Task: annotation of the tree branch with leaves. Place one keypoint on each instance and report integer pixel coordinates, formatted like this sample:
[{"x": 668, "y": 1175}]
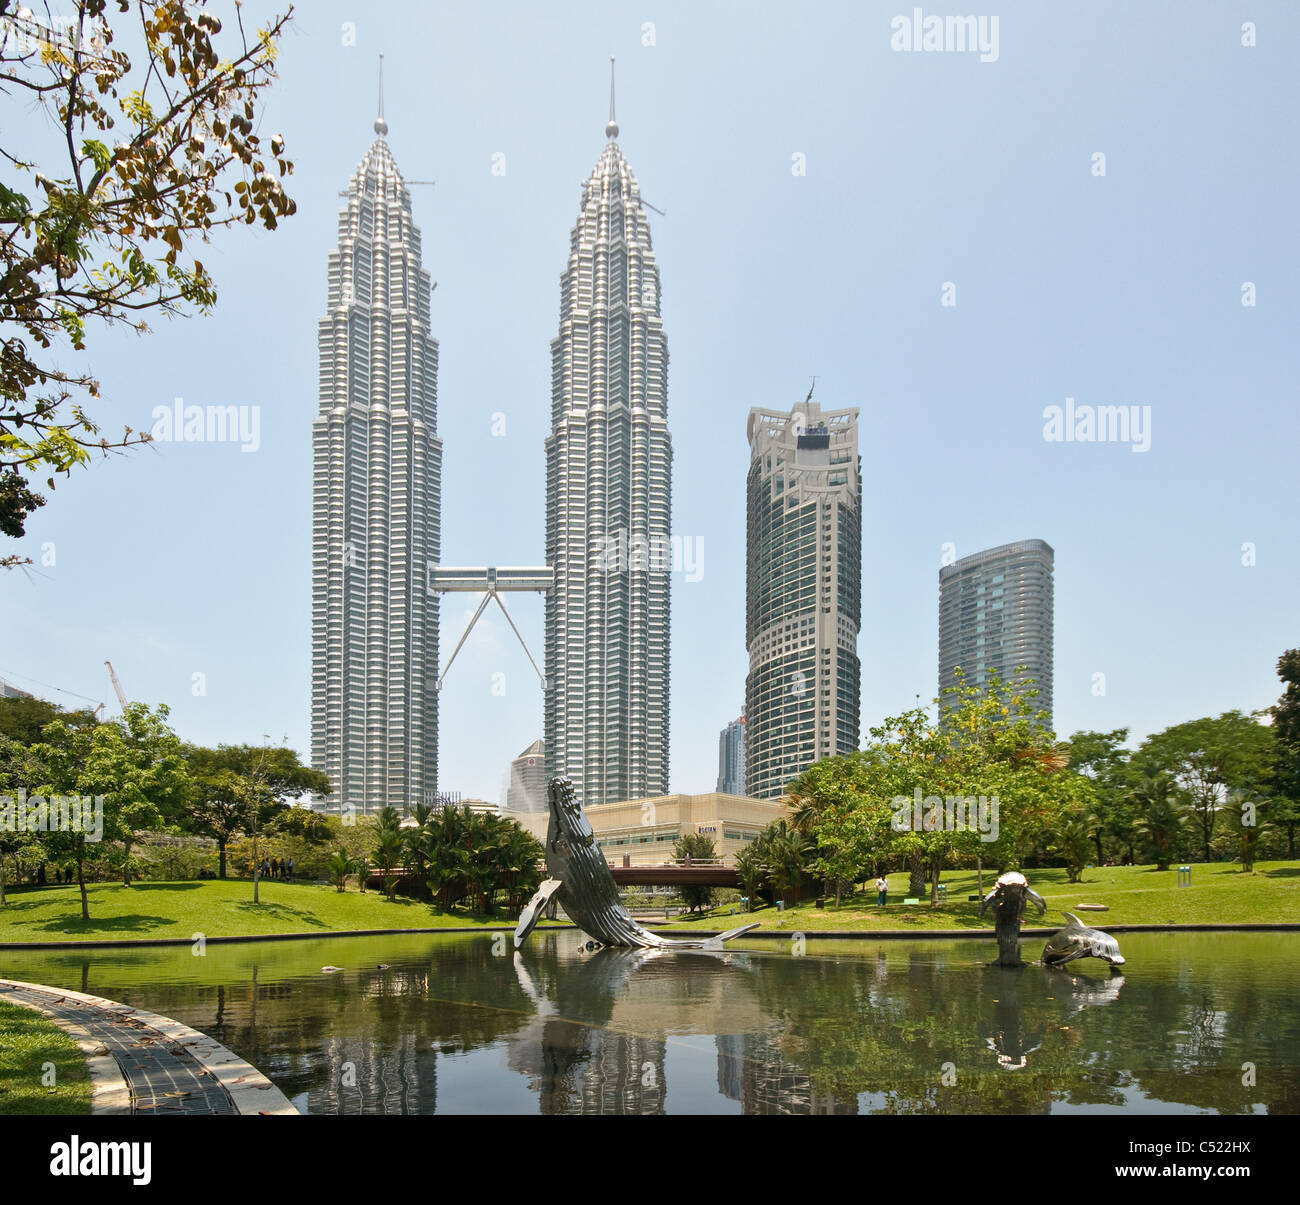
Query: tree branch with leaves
[{"x": 156, "y": 152}]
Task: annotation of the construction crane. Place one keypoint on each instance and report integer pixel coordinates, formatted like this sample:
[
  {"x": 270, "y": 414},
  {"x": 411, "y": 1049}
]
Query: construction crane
[{"x": 117, "y": 685}]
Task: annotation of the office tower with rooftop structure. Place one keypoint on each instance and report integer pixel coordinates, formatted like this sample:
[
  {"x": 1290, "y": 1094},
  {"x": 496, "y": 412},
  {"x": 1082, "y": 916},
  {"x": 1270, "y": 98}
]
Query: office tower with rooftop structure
[
  {"x": 731, "y": 758},
  {"x": 377, "y": 488},
  {"x": 526, "y": 791},
  {"x": 803, "y": 592},
  {"x": 995, "y": 614},
  {"x": 608, "y": 501}
]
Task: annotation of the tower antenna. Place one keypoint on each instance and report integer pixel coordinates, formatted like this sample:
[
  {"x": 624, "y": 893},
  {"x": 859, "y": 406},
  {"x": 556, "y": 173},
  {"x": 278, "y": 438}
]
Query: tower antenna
[
  {"x": 611, "y": 130},
  {"x": 381, "y": 126}
]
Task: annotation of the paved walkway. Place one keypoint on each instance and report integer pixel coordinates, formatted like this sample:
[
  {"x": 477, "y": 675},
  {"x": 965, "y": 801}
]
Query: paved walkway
[{"x": 141, "y": 1062}]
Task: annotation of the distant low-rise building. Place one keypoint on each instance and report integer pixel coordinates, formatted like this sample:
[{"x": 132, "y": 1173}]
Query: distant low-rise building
[{"x": 645, "y": 830}]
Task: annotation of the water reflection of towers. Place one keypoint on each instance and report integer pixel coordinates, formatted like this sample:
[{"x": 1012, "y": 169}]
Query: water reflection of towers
[
  {"x": 753, "y": 1069},
  {"x": 364, "y": 1075}
]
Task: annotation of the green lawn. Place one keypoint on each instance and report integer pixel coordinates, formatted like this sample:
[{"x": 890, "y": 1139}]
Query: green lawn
[
  {"x": 1133, "y": 894},
  {"x": 28, "y": 1042},
  {"x": 215, "y": 909}
]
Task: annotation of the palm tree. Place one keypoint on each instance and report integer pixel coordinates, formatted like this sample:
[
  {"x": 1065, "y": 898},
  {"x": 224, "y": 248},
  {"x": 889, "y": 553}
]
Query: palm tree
[
  {"x": 786, "y": 853},
  {"x": 749, "y": 870},
  {"x": 339, "y": 866},
  {"x": 388, "y": 845},
  {"x": 1163, "y": 814},
  {"x": 417, "y": 845},
  {"x": 1071, "y": 839}
]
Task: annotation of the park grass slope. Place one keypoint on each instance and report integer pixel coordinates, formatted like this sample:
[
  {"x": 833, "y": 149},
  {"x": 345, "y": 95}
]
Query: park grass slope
[
  {"x": 179, "y": 911},
  {"x": 1134, "y": 895}
]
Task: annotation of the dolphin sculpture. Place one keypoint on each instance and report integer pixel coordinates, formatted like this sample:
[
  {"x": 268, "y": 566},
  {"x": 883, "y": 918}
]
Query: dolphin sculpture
[
  {"x": 1076, "y": 940},
  {"x": 1009, "y": 896},
  {"x": 581, "y": 881}
]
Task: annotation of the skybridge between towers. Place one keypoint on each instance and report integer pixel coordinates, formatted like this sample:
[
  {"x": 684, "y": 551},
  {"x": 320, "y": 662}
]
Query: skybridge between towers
[{"x": 492, "y": 582}]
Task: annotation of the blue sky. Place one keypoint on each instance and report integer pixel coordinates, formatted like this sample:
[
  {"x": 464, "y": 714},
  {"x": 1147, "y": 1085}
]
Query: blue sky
[{"x": 921, "y": 168}]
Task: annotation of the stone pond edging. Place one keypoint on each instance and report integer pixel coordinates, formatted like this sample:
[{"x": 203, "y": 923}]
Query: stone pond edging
[{"x": 250, "y": 1092}]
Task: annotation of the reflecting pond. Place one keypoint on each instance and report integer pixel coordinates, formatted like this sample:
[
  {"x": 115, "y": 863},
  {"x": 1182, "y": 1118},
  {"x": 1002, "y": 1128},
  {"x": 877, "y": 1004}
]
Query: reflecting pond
[{"x": 463, "y": 1024}]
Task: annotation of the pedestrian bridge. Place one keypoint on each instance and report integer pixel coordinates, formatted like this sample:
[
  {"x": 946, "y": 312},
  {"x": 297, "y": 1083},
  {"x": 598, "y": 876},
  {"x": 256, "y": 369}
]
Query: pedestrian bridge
[{"x": 676, "y": 875}]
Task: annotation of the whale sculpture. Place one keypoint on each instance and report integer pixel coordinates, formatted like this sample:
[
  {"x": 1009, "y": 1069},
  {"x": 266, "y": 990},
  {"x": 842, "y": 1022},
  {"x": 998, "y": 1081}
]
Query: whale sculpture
[
  {"x": 1076, "y": 940},
  {"x": 1009, "y": 896},
  {"x": 581, "y": 881}
]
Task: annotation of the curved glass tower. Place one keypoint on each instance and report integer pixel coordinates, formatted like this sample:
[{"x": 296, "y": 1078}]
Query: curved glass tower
[
  {"x": 376, "y": 504},
  {"x": 995, "y": 615},
  {"x": 608, "y": 505},
  {"x": 803, "y": 592}
]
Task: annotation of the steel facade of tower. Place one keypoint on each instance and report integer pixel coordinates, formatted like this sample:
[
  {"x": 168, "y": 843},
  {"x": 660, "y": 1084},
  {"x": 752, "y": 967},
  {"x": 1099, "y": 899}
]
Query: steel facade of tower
[
  {"x": 377, "y": 490},
  {"x": 995, "y": 614},
  {"x": 803, "y": 592},
  {"x": 608, "y": 502}
]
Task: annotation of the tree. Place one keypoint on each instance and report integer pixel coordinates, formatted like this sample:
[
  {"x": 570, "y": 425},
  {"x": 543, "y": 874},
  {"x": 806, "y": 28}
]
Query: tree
[
  {"x": 1247, "y": 813},
  {"x": 19, "y": 770},
  {"x": 134, "y": 764},
  {"x": 749, "y": 870},
  {"x": 137, "y": 764},
  {"x": 1101, "y": 756},
  {"x": 696, "y": 847},
  {"x": 24, "y": 719},
  {"x": 243, "y": 788},
  {"x": 340, "y": 866},
  {"x": 786, "y": 855},
  {"x": 1210, "y": 756},
  {"x": 1162, "y": 812},
  {"x": 150, "y": 148},
  {"x": 1071, "y": 840},
  {"x": 1285, "y": 806},
  {"x": 388, "y": 845},
  {"x": 848, "y": 839},
  {"x": 417, "y": 841}
]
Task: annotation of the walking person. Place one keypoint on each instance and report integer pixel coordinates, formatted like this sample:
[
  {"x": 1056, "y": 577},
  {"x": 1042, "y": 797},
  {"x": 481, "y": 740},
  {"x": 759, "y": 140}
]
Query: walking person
[{"x": 882, "y": 891}]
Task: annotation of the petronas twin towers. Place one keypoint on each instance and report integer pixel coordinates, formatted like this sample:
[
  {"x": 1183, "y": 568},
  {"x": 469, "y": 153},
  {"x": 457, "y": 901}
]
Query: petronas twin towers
[{"x": 377, "y": 503}]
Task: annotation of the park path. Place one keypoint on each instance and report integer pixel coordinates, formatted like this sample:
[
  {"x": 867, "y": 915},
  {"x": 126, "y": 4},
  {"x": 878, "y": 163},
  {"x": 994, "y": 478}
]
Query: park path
[{"x": 141, "y": 1062}]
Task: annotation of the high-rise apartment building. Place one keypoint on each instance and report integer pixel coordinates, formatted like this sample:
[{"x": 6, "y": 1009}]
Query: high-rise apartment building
[
  {"x": 995, "y": 614},
  {"x": 803, "y": 592},
  {"x": 608, "y": 501},
  {"x": 731, "y": 758},
  {"x": 377, "y": 488}
]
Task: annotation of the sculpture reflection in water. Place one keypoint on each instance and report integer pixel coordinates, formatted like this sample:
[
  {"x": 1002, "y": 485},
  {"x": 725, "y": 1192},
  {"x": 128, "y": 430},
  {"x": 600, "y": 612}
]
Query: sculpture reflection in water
[
  {"x": 1017, "y": 1029},
  {"x": 581, "y": 881}
]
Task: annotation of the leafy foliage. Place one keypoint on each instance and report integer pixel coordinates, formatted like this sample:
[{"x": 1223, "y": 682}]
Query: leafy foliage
[{"x": 159, "y": 149}]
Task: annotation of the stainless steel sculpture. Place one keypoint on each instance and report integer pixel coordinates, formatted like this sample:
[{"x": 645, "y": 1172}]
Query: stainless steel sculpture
[
  {"x": 581, "y": 881},
  {"x": 1076, "y": 940},
  {"x": 1009, "y": 896}
]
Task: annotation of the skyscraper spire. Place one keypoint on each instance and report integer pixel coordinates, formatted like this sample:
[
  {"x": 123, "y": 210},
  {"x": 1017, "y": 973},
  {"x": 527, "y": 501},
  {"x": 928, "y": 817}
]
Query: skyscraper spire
[
  {"x": 381, "y": 126},
  {"x": 609, "y": 502},
  {"x": 611, "y": 130},
  {"x": 376, "y": 505}
]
